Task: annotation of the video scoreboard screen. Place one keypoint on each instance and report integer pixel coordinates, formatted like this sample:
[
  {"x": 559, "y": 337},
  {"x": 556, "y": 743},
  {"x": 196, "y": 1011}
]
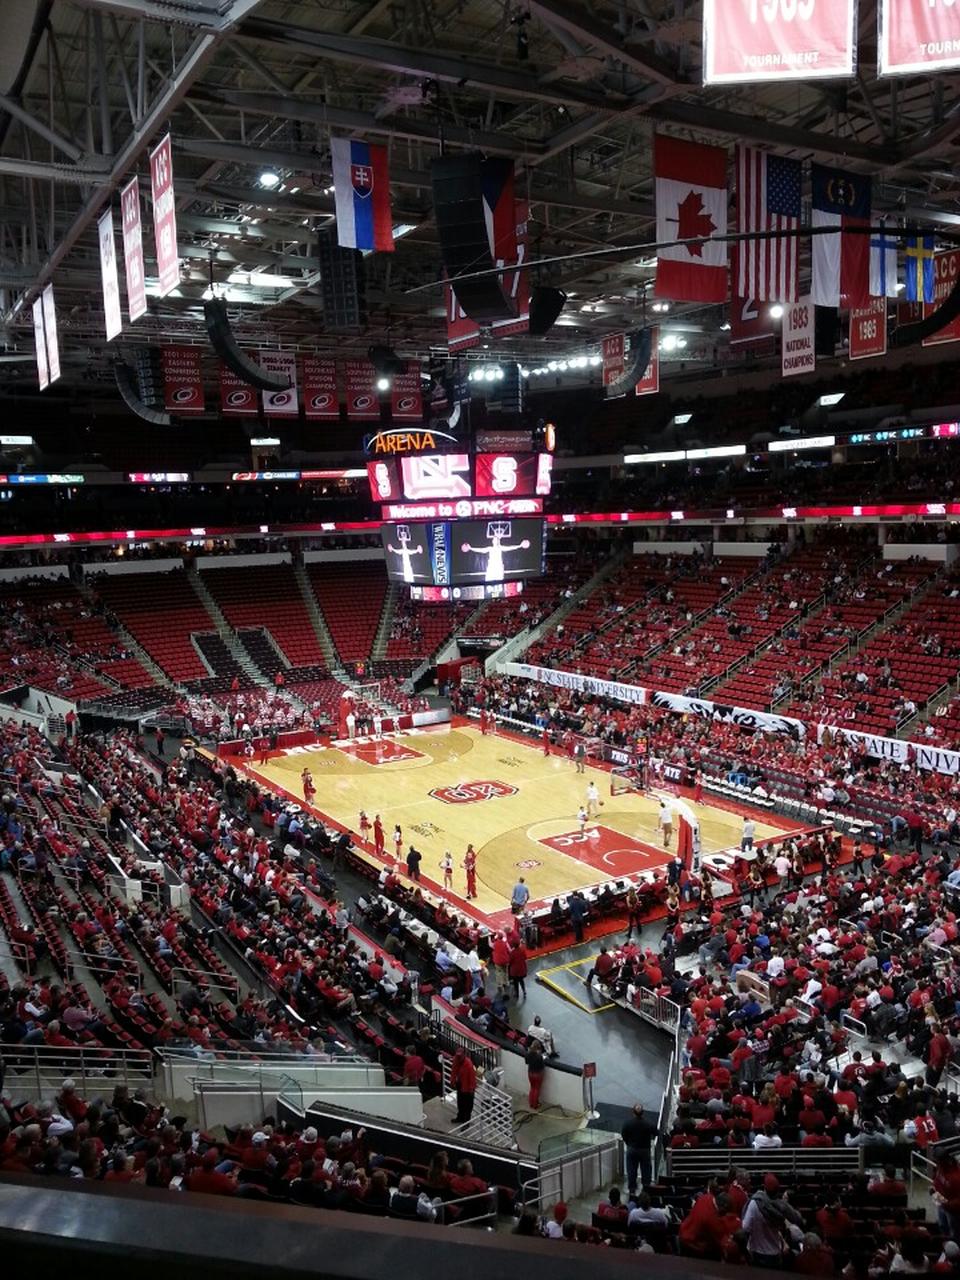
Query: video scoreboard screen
[
  {"x": 454, "y": 477},
  {"x": 464, "y": 552}
]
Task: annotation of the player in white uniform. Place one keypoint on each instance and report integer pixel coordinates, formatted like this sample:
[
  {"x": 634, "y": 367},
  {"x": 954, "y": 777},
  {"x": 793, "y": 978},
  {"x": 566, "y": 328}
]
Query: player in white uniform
[
  {"x": 593, "y": 800},
  {"x": 582, "y": 819},
  {"x": 377, "y": 725},
  {"x": 497, "y": 530}
]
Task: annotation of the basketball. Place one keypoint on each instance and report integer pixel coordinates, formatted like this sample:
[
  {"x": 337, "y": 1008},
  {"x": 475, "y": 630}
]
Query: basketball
[{"x": 464, "y": 547}]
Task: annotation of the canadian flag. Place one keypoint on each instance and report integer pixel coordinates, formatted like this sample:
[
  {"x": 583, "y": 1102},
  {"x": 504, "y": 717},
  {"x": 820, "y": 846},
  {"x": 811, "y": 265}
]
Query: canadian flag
[{"x": 692, "y": 207}]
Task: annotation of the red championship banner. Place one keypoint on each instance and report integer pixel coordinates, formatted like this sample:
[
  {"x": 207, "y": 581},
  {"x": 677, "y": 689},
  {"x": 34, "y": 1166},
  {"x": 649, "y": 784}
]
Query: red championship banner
[
  {"x": 945, "y": 268},
  {"x": 133, "y": 250},
  {"x": 164, "y": 216},
  {"x": 406, "y": 396},
  {"x": 749, "y": 41},
  {"x": 751, "y": 325},
  {"x": 320, "y": 396},
  {"x": 238, "y": 399},
  {"x": 613, "y": 349},
  {"x": 917, "y": 36},
  {"x": 182, "y": 379},
  {"x": 462, "y": 332},
  {"x": 280, "y": 404},
  {"x": 363, "y": 403},
  {"x": 799, "y": 353},
  {"x": 868, "y": 330},
  {"x": 649, "y": 384}
]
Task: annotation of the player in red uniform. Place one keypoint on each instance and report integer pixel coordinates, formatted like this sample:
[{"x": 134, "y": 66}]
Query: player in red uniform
[
  {"x": 546, "y": 742},
  {"x": 378, "y": 835},
  {"x": 309, "y": 790},
  {"x": 470, "y": 866}
]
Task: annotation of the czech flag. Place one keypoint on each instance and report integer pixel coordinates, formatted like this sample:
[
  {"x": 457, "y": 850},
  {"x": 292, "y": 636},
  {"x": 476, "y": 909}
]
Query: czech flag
[{"x": 361, "y": 183}]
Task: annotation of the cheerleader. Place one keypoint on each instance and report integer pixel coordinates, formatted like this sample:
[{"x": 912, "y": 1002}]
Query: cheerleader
[
  {"x": 398, "y": 842},
  {"x": 365, "y": 827},
  {"x": 446, "y": 866}
]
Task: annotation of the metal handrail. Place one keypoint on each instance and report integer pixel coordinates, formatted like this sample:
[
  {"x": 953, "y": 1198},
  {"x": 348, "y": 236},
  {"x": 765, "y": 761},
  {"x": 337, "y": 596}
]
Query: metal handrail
[
  {"x": 91, "y": 1067},
  {"x": 552, "y": 1183},
  {"x": 188, "y": 975},
  {"x": 792, "y": 1160}
]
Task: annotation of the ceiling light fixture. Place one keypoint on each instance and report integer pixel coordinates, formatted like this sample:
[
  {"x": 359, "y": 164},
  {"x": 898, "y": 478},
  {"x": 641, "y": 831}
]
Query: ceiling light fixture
[{"x": 269, "y": 179}]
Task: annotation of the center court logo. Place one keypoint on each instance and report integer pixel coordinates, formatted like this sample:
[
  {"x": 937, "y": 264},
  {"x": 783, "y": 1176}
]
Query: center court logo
[
  {"x": 473, "y": 792},
  {"x": 528, "y": 864}
]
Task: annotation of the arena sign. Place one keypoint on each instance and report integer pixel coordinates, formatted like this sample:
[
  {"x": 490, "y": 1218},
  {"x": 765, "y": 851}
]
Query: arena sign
[
  {"x": 577, "y": 682},
  {"x": 397, "y": 442},
  {"x": 751, "y": 41}
]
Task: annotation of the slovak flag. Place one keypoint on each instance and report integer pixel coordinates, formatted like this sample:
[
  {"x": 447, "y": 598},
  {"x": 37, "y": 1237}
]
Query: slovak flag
[{"x": 361, "y": 183}]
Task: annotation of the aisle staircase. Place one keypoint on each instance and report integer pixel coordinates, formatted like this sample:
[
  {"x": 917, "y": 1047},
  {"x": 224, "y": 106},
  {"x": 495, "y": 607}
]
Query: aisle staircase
[
  {"x": 321, "y": 630},
  {"x": 225, "y": 631},
  {"x": 378, "y": 649}
]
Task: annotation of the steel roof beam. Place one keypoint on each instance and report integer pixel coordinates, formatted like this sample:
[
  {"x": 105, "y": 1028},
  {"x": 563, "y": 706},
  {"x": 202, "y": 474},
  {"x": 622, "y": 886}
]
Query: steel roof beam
[{"x": 577, "y": 21}]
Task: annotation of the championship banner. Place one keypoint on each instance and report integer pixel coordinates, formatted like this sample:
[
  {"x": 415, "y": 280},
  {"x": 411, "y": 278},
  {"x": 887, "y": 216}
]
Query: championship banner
[
  {"x": 133, "y": 250},
  {"x": 320, "y": 396},
  {"x": 512, "y": 247},
  {"x": 280, "y": 404},
  {"x": 112, "y": 319},
  {"x": 40, "y": 339},
  {"x": 798, "y": 353},
  {"x": 50, "y": 327},
  {"x": 238, "y": 399},
  {"x": 182, "y": 379},
  {"x": 868, "y": 330},
  {"x": 363, "y": 403},
  {"x": 917, "y": 36},
  {"x": 462, "y": 332},
  {"x": 614, "y": 351},
  {"x": 945, "y": 268},
  {"x": 649, "y": 384},
  {"x": 406, "y": 396},
  {"x": 164, "y": 216},
  {"x": 751, "y": 41}
]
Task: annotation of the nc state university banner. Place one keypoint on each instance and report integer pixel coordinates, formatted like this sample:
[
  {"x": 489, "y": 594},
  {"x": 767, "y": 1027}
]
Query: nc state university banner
[
  {"x": 649, "y": 384},
  {"x": 133, "y": 250},
  {"x": 363, "y": 403},
  {"x": 164, "y": 216},
  {"x": 320, "y": 397},
  {"x": 237, "y": 398},
  {"x": 917, "y": 36},
  {"x": 748, "y": 41},
  {"x": 182, "y": 379}
]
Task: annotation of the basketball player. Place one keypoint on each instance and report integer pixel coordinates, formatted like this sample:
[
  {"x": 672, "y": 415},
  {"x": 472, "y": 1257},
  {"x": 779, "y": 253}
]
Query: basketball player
[
  {"x": 446, "y": 866},
  {"x": 593, "y": 800},
  {"x": 497, "y": 530},
  {"x": 580, "y": 756},
  {"x": 264, "y": 748},
  {"x": 483, "y": 722},
  {"x": 377, "y": 725},
  {"x": 546, "y": 741},
  {"x": 665, "y": 823},
  {"x": 398, "y": 841},
  {"x": 309, "y": 790},
  {"x": 364, "y": 825},
  {"x": 582, "y": 819},
  {"x": 470, "y": 866},
  {"x": 378, "y": 835},
  {"x": 406, "y": 553}
]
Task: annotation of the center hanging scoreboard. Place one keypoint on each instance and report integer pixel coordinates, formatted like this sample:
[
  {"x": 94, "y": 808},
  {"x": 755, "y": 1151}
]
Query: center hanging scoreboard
[{"x": 462, "y": 525}]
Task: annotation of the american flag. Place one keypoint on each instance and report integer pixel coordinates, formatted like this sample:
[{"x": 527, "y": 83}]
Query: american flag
[{"x": 768, "y": 199}]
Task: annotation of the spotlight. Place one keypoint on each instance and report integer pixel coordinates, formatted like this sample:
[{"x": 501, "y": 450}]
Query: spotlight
[
  {"x": 383, "y": 384},
  {"x": 776, "y": 311},
  {"x": 269, "y": 178}
]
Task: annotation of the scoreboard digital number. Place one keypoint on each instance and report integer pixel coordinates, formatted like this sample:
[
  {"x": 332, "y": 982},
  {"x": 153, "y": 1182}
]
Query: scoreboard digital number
[{"x": 506, "y": 475}]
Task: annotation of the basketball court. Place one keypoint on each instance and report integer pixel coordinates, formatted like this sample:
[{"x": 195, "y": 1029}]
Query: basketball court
[{"x": 449, "y": 786}]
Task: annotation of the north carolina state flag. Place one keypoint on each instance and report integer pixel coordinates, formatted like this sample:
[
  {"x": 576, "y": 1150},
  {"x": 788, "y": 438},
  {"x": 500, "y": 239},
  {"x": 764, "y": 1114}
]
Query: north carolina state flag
[{"x": 691, "y": 206}]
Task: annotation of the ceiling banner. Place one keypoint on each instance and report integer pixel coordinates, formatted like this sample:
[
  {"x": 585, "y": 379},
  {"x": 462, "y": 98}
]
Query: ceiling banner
[
  {"x": 112, "y": 319},
  {"x": 50, "y": 326},
  {"x": 750, "y": 41},
  {"x": 799, "y": 353},
  {"x": 133, "y": 249},
  {"x": 164, "y": 216},
  {"x": 917, "y": 36},
  {"x": 868, "y": 330},
  {"x": 40, "y": 338}
]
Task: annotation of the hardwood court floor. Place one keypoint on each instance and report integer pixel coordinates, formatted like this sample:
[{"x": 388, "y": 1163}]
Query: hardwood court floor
[{"x": 450, "y": 786}]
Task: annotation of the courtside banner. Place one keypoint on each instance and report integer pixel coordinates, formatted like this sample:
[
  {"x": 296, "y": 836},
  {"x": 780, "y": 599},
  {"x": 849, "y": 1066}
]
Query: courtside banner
[
  {"x": 164, "y": 216},
  {"x": 280, "y": 404},
  {"x": 750, "y": 41},
  {"x": 917, "y": 36},
  {"x": 868, "y": 330},
  {"x": 577, "y": 682},
  {"x": 320, "y": 396},
  {"x": 945, "y": 268},
  {"x": 133, "y": 249},
  {"x": 238, "y": 399},
  {"x": 182, "y": 379}
]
